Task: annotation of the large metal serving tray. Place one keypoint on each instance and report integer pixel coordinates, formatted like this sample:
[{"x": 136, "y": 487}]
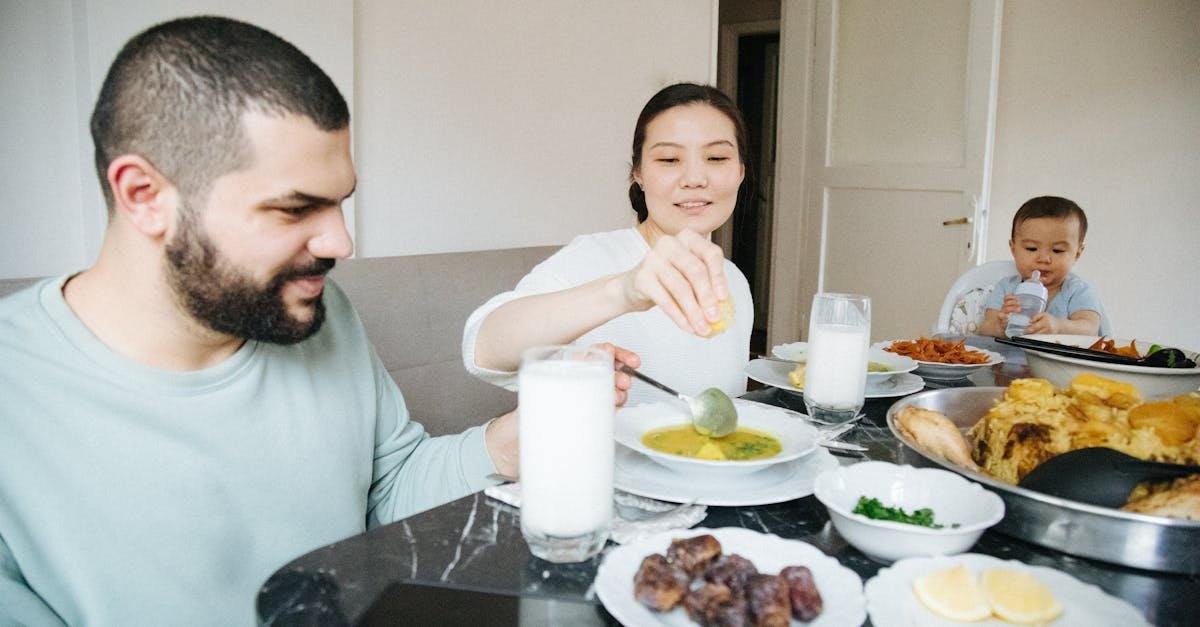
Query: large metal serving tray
[{"x": 1137, "y": 540}]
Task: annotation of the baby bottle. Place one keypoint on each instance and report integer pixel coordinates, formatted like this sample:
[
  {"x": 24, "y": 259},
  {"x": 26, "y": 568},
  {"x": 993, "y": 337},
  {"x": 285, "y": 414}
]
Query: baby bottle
[{"x": 1032, "y": 296}]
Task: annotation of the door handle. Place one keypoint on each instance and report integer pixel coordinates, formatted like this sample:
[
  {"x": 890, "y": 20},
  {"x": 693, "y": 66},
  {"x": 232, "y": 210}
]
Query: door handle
[{"x": 957, "y": 221}]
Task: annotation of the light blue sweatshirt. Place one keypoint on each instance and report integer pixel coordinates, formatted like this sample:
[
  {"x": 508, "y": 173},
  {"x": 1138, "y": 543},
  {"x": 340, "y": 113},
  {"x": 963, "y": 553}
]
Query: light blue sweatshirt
[{"x": 136, "y": 496}]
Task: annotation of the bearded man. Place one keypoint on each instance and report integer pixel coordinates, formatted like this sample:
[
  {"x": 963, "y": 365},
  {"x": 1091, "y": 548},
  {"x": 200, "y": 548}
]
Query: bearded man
[{"x": 200, "y": 406}]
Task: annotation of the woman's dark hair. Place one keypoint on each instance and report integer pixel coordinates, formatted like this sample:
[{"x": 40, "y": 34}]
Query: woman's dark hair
[
  {"x": 677, "y": 95},
  {"x": 1050, "y": 207}
]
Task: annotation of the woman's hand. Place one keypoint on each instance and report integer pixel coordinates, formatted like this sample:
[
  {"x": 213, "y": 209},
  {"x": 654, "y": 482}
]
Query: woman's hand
[{"x": 684, "y": 275}]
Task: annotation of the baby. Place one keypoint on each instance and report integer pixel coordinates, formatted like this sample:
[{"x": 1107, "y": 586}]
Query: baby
[{"x": 1047, "y": 235}]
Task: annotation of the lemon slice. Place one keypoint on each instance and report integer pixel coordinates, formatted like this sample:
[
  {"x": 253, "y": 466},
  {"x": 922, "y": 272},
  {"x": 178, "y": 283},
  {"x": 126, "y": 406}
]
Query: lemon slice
[
  {"x": 952, "y": 593},
  {"x": 726, "y": 318},
  {"x": 796, "y": 377},
  {"x": 1018, "y": 597}
]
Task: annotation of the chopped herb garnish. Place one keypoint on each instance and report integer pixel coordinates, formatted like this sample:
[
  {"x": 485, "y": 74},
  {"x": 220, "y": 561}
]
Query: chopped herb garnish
[
  {"x": 747, "y": 450},
  {"x": 873, "y": 508}
]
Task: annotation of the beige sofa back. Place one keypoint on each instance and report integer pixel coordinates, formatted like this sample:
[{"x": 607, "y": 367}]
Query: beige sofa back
[{"x": 414, "y": 308}]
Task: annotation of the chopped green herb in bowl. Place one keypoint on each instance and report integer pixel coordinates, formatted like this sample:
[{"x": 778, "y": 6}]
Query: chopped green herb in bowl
[
  {"x": 941, "y": 512},
  {"x": 873, "y": 508}
]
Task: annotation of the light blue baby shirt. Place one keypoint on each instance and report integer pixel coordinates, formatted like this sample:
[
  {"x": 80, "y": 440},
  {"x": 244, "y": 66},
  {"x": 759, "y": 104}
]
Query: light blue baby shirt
[{"x": 1075, "y": 295}]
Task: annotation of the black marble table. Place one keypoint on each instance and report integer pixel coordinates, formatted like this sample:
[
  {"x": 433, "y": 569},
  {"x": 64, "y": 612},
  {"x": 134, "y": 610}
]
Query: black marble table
[{"x": 466, "y": 562}]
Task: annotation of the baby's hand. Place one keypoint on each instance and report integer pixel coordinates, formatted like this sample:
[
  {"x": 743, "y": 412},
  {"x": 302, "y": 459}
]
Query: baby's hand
[
  {"x": 1043, "y": 323},
  {"x": 1011, "y": 305}
]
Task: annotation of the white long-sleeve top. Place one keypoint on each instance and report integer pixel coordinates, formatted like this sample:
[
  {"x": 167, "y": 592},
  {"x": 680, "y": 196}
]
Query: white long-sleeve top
[{"x": 682, "y": 360}]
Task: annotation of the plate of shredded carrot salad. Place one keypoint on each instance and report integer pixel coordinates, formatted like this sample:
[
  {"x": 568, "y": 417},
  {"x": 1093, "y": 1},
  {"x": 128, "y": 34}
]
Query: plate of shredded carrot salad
[{"x": 942, "y": 359}]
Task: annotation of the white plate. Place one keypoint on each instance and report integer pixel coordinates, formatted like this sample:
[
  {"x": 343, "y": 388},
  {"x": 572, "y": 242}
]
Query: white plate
[
  {"x": 890, "y": 600},
  {"x": 637, "y": 474},
  {"x": 898, "y": 385},
  {"x": 949, "y": 372},
  {"x": 841, "y": 589},
  {"x": 797, "y": 437},
  {"x": 795, "y": 351},
  {"x": 774, "y": 373}
]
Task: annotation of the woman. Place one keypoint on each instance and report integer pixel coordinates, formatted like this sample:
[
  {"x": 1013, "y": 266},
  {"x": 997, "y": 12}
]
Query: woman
[{"x": 658, "y": 288}]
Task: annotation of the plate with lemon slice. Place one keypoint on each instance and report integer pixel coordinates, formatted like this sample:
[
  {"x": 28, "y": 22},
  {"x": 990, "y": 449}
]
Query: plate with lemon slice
[
  {"x": 881, "y": 365},
  {"x": 783, "y": 376},
  {"x": 981, "y": 590}
]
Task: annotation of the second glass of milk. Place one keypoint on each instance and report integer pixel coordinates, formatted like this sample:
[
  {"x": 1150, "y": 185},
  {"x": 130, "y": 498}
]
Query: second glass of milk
[
  {"x": 565, "y": 395},
  {"x": 835, "y": 378}
]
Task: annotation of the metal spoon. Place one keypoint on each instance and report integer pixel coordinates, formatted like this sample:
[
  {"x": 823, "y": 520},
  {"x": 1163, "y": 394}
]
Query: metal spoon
[
  {"x": 712, "y": 411},
  {"x": 1098, "y": 475}
]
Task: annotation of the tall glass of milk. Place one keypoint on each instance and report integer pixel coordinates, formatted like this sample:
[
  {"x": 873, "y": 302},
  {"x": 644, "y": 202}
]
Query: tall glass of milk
[
  {"x": 835, "y": 378},
  {"x": 565, "y": 396}
]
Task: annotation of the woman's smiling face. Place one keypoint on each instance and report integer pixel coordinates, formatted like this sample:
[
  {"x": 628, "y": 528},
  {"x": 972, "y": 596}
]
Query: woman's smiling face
[{"x": 690, "y": 170}]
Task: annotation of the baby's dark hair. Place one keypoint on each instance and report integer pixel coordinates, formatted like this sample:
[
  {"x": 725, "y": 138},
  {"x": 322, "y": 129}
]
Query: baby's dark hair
[{"x": 1050, "y": 207}]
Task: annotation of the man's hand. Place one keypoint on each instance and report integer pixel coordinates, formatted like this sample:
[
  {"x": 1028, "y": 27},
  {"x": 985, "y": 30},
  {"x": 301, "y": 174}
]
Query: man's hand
[
  {"x": 502, "y": 440},
  {"x": 685, "y": 276},
  {"x": 502, "y": 436},
  {"x": 621, "y": 381}
]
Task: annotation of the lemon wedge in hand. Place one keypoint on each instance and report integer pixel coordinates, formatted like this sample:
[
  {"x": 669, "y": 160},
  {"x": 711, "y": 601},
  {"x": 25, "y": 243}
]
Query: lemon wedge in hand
[{"x": 726, "y": 320}]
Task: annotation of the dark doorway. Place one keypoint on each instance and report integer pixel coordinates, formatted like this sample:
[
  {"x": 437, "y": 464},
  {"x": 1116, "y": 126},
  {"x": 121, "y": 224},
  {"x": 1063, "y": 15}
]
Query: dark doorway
[{"x": 757, "y": 80}]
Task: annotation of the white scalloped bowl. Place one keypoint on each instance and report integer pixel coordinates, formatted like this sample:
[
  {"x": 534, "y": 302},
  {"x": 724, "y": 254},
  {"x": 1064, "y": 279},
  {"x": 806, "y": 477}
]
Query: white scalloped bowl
[
  {"x": 1153, "y": 383},
  {"x": 796, "y": 437},
  {"x": 952, "y": 498}
]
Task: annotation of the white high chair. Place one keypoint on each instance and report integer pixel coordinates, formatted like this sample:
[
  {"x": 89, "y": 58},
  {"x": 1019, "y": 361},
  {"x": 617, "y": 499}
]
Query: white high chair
[{"x": 962, "y": 310}]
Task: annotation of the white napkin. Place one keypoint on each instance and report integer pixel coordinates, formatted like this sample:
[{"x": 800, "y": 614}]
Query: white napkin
[{"x": 623, "y": 531}]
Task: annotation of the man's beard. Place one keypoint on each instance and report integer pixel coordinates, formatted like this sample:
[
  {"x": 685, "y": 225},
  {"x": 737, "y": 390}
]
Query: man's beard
[{"x": 227, "y": 300}]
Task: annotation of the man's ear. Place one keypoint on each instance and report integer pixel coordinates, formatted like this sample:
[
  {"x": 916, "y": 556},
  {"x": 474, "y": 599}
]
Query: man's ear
[{"x": 142, "y": 195}]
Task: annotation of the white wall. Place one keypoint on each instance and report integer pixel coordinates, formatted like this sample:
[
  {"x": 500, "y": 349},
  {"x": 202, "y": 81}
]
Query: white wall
[
  {"x": 41, "y": 214},
  {"x": 53, "y": 57},
  {"x": 488, "y": 124},
  {"x": 1099, "y": 101},
  {"x": 477, "y": 124}
]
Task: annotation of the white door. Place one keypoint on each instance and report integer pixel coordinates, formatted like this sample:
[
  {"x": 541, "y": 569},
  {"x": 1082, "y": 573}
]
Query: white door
[{"x": 898, "y": 106}]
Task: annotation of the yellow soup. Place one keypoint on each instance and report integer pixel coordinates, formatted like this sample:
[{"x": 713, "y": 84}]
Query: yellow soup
[
  {"x": 874, "y": 366},
  {"x": 741, "y": 445}
]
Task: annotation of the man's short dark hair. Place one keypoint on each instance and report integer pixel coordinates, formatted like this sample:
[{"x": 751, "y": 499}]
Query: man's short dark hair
[
  {"x": 176, "y": 94},
  {"x": 1049, "y": 207}
]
